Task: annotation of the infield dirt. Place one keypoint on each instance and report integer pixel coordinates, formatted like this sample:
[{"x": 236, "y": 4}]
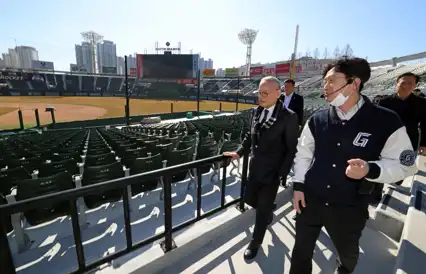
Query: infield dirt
[{"x": 87, "y": 108}]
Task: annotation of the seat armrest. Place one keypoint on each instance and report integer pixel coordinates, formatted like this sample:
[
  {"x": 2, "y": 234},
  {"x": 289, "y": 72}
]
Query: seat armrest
[
  {"x": 10, "y": 198},
  {"x": 77, "y": 181},
  {"x": 34, "y": 175},
  {"x": 126, "y": 171}
]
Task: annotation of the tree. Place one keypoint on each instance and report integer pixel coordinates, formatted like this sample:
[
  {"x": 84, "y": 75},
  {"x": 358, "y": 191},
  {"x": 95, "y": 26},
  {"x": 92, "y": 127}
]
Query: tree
[
  {"x": 326, "y": 54},
  {"x": 347, "y": 51},
  {"x": 316, "y": 54},
  {"x": 336, "y": 53}
]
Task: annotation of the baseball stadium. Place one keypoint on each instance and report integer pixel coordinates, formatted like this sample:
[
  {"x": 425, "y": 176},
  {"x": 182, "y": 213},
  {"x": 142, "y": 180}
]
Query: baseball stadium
[{"x": 125, "y": 174}]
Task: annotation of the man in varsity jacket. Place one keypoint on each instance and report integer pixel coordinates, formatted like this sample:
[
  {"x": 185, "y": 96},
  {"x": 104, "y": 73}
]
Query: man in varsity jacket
[
  {"x": 273, "y": 141},
  {"x": 342, "y": 152}
]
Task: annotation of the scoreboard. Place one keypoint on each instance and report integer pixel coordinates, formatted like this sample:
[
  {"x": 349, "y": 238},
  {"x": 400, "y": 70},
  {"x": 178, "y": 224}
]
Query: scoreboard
[{"x": 167, "y": 66}]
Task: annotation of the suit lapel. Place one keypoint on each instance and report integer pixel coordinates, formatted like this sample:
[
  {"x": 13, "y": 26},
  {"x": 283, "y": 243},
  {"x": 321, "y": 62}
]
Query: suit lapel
[
  {"x": 273, "y": 118},
  {"x": 290, "y": 104}
]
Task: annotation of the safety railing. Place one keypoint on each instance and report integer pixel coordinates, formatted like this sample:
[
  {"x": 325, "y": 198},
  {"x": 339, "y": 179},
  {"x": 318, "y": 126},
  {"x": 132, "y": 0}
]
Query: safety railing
[{"x": 167, "y": 244}]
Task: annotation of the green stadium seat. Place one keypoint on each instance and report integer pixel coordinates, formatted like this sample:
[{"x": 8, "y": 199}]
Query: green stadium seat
[
  {"x": 9, "y": 176},
  {"x": 130, "y": 155},
  {"x": 98, "y": 174},
  {"x": 99, "y": 159},
  {"x": 30, "y": 188},
  {"x": 52, "y": 168},
  {"x": 145, "y": 164}
]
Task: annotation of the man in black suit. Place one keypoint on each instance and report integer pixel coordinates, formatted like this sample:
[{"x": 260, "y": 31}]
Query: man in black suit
[
  {"x": 273, "y": 140},
  {"x": 411, "y": 108},
  {"x": 292, "y": 100}
]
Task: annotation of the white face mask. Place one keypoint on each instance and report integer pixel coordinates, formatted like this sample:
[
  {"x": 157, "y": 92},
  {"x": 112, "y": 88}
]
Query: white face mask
[{"x": 340, "y": 100}]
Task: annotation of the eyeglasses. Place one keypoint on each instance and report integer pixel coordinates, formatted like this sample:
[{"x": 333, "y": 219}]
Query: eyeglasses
[
  {"x": 264, "y": 93},
  {"x": 331, "y": 80}
]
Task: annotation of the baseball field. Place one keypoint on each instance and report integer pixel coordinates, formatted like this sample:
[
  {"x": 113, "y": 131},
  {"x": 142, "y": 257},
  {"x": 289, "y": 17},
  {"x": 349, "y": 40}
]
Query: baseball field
[{"x": 88, "y": 108}]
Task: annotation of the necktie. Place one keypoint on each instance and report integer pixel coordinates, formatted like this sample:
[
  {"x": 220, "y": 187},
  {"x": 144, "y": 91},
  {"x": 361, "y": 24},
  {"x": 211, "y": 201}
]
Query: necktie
[{"x": 265, "y": 116}]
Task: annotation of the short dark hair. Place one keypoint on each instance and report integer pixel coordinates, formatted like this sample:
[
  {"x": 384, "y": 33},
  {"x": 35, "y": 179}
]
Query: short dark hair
[
  {"x": 351, "y": 68},
  {"x": 291, "y": 81},
  {"x": 409, "y": 74}
]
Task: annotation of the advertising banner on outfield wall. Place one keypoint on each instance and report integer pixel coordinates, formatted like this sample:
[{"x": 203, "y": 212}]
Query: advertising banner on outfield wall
[
  {"x": 109, "y": 70},
  {"x": 42, "y": 65},
  {"x": 282, "y": 68},
  {"x": 132, "y": 72},
  {"x": 209, "y": 72},
  {"x": 256, "y": 71},
  {"x": 232, "y": 72},
  {"x": 269, "y": 69}
]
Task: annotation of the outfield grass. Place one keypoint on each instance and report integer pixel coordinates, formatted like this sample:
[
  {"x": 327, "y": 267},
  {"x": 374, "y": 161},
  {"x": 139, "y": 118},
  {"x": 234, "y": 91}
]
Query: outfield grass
[{"x": 114, "y": 107}]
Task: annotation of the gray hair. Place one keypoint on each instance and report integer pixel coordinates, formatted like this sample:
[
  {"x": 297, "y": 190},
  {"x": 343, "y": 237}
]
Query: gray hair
[{"x": 272, "y": 79}]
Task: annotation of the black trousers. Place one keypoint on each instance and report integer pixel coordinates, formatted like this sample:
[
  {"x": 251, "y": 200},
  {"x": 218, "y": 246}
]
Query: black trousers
[
  {"x": 261, "y": 197},
  {"x": 344, "y": 226}
]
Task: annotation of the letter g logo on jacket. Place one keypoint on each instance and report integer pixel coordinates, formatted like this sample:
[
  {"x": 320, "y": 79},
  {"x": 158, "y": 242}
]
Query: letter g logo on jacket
[
  {"x": 361, "y": 139},
  {"x": 408, "y": 157}
]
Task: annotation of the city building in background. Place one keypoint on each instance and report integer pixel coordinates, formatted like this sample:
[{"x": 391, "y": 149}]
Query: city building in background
[
  {"x": 84, "y": 57},
  {"x": 120, "y": 65},
  {"x": 131, "y": 65},
  {"x": 107, "y": 57},
  {"x": 205, "y": 63},
  {"x": 220, "y": 72},
  {"x": 20, "y": 57}
]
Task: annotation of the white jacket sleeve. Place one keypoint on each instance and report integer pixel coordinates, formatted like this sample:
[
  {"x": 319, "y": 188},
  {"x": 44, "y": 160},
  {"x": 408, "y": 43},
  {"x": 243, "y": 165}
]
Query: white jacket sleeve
[
  {"x": 397, "y": 159},
  {"x": 304, "y": 154}
]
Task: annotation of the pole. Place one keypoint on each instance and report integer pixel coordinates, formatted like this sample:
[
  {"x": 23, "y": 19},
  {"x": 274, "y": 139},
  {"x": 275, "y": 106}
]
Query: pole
[
  {"x": 37, "y": 116},
  {"x": 21, "y": 120},
  {"x": 293, "y": 61},
  {"x": 52, "y": 114},
  {"x": 127, "y": 107},
  {"x": 238, "y": 93},
  {"x": 198, "y": 92}
]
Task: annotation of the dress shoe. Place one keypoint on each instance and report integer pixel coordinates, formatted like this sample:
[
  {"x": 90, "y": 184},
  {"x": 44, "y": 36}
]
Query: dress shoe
[
  {"x": 294, "y": 217},
  {"x": 251, "y": 251}
]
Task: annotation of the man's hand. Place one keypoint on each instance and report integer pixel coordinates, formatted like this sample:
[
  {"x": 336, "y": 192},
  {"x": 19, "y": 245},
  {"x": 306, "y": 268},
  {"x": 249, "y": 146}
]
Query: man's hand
[
  {"x": 299, "y": 201},
  {"x": 233, "y": 155},
  {"x": 422, "y": 150},
  {"x": 357, "y": 169}
]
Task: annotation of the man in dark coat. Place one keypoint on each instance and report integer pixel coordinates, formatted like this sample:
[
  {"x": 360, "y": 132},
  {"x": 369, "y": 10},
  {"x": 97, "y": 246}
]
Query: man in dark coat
[
  {"x": 273, "y": 140},
  {"x": 411, "y": 108},
  {"x": 292, "y": 100}
]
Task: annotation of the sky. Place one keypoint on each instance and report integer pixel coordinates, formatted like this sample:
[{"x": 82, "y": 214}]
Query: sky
[{"x": 377, "y": 29}]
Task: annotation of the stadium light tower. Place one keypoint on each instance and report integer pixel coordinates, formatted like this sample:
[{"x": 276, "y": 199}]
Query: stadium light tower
[
  {"x": 93, "y": 39},
  {"x": 247, "y": 37}
]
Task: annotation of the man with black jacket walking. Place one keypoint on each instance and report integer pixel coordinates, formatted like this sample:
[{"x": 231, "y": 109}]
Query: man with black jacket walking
[
  {"x": 292, "y": 100},
  {"x": 341, "y": 152},
  {"x": 412, "y": 111},
  {"x": 272, "y": 139}
]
